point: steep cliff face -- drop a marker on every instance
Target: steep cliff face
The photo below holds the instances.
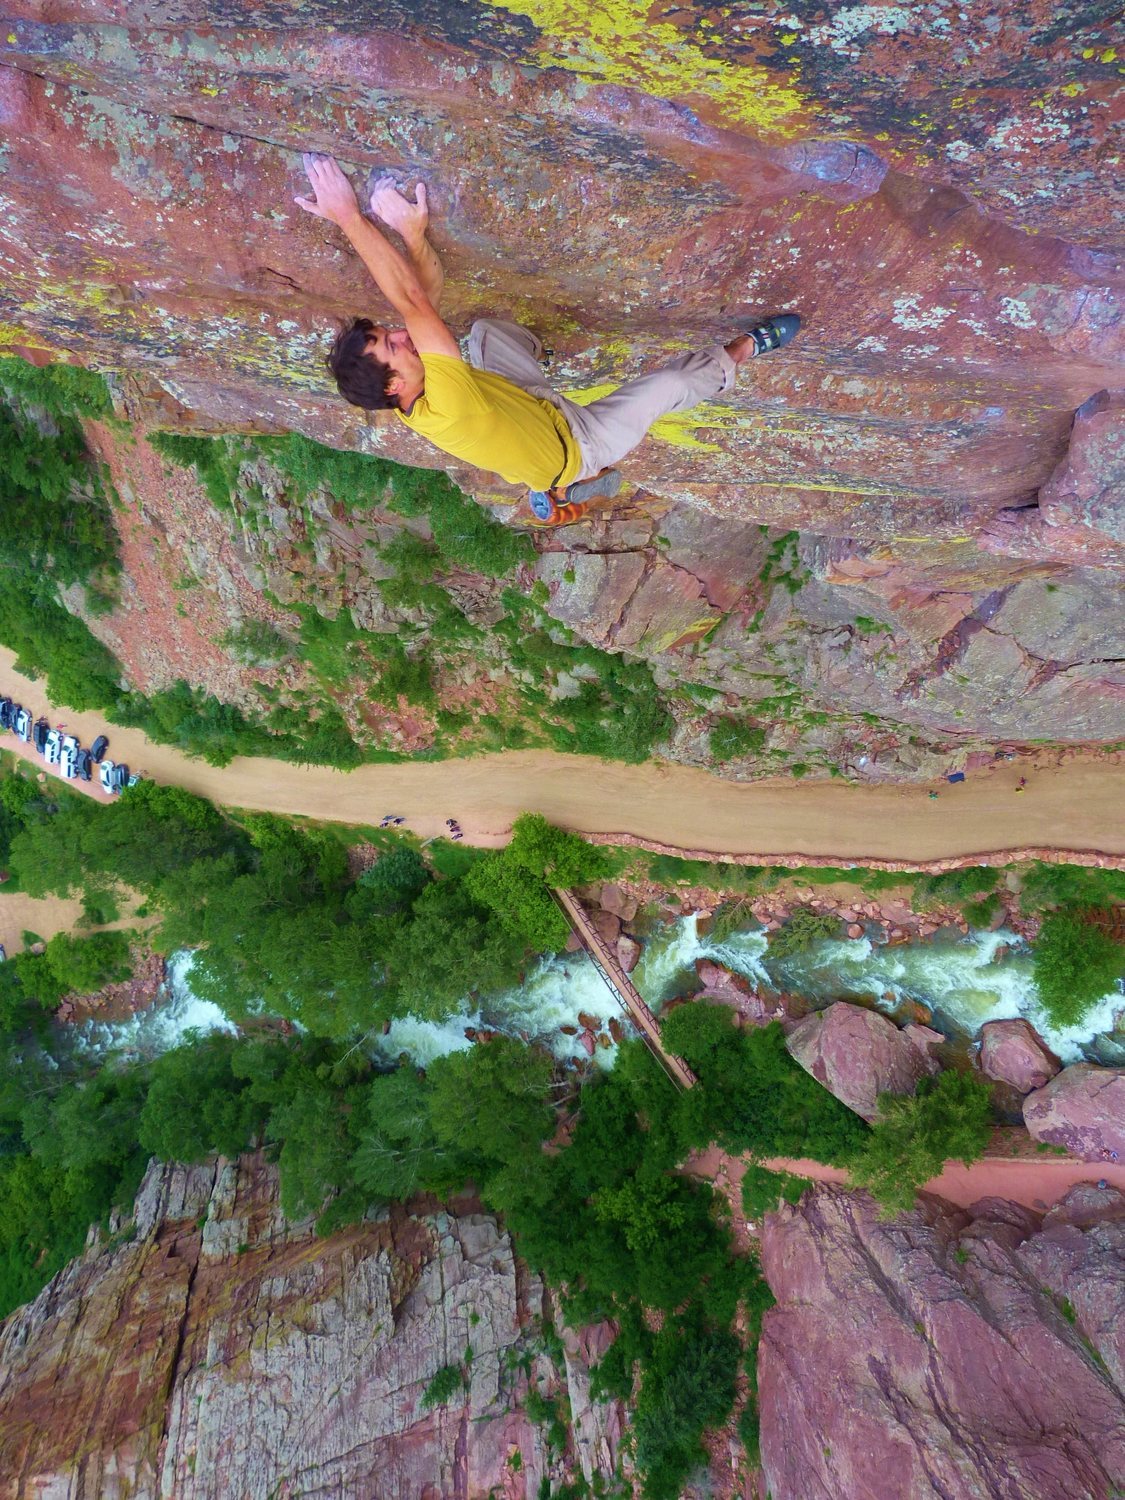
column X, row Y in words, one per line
column 220, row 1351
column 966, row 1356
column 933, row 191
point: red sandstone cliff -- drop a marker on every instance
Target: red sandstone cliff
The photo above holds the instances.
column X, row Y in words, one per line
column 220, row 1352
column 944, row 1355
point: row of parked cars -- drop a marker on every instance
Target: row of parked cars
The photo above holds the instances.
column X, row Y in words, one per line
column 64, row 751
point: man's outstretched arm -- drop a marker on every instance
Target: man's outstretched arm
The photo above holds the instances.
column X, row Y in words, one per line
column 395, row 276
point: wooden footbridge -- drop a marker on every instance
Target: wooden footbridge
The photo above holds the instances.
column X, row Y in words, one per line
column 623, row 988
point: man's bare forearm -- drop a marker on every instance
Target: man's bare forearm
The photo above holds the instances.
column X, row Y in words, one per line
column 398, row 278
column 423, row 257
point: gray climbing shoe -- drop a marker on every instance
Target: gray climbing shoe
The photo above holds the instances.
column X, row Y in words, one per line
column 774, row 333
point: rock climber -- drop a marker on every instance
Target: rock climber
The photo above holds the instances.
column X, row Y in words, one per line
column 497, row 411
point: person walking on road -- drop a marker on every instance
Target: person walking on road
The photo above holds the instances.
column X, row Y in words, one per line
column 497, row 411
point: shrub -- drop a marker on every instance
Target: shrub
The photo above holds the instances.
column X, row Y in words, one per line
column 257, row 642
column 1046, row 885
column 948, row 1118
column 801, row 931
column 448, row 1381
column 1075, row 964
column 732, row 739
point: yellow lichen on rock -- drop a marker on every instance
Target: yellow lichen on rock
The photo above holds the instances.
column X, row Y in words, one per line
column 616, row 41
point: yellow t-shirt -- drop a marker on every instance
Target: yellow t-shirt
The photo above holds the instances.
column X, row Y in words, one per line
column 493, row 424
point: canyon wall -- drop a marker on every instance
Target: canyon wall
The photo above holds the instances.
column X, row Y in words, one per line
column 933, row 189
column 211, row 1349
column 944, row 1355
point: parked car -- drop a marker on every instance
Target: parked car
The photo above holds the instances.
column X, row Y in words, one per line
column 52, row 749
column 39, row 734
column 68, row 760
column 85, row 765
column 21, row 723
column 120, row 776
column 134, row 778
column 5, row 713
column 99, row 748
column 106, row 773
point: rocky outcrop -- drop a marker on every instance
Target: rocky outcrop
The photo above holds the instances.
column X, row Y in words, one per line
column 929, row 189
column 1083, row 1109
column 944, row 1355
column 730, row 989
column 222, row 1351
column 857, row 1054
column 1011, row 1052
column 1080, row 511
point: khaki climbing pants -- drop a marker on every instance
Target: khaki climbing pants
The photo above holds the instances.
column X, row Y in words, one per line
column 609, row 428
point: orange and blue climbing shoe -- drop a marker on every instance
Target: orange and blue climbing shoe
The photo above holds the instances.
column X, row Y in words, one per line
column 556, row 507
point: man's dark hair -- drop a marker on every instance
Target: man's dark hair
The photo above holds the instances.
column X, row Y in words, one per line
column 361, row 377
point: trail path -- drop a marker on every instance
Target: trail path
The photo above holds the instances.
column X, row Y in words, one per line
column 1075, row 808
column 1036, row 1182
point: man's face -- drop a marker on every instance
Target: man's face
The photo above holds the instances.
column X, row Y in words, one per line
column 395, row 348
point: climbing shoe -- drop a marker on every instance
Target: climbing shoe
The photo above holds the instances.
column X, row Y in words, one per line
column 774, row 333
column 601, row 486
column 557, row 507
column 555, row 513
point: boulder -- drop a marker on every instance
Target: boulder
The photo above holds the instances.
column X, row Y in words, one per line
column 1083, row 1109
column 620, row 903
column 628, row 952
column 933, row 1356
column 607, row 926
column 925, row 1038
column 731, row 989
column 858, row 1054
column 1011, row 1052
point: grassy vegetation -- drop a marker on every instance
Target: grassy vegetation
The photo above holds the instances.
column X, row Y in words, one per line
column 763, row 1190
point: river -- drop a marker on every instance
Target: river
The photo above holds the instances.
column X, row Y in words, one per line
column 985, row 977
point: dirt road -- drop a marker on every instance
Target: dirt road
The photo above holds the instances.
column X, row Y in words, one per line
column 1023, row 1179
column 1075, row 808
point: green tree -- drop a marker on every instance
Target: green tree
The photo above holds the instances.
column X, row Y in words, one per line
column 754, row 1096
column 688, row 1386
column 1075, row 964
column 520, row 901
column 196, row 1104
column 399, row 1153
column 85, row 964
column 492, row 1100
column 948, row 1118
column 451, row 948
column 393, row 883
column 556, row 856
